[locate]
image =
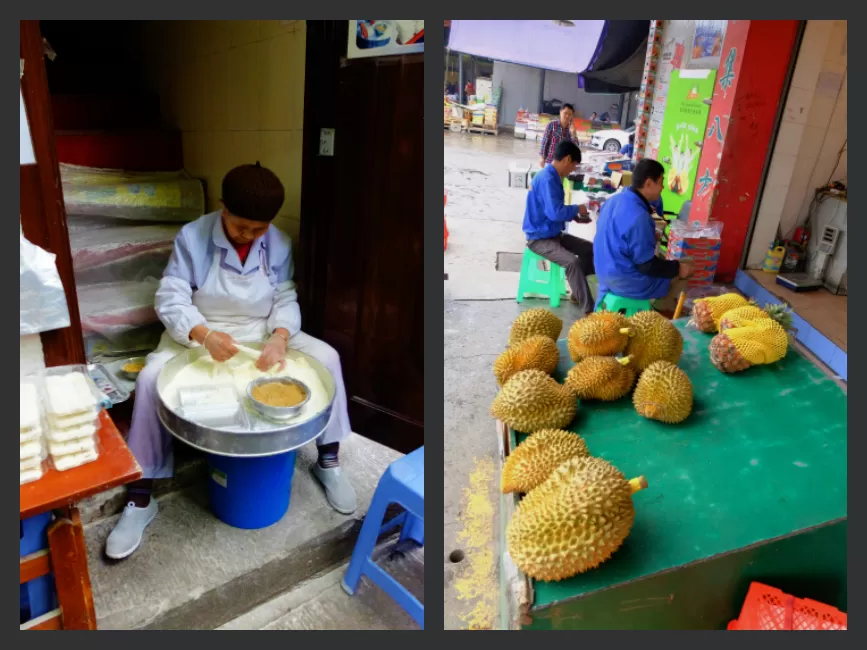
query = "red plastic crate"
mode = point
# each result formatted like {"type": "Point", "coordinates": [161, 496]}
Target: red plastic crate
{"type": "Point", "coordinates": [767, 608]}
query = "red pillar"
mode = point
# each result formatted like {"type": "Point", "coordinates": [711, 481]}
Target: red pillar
{"type": "Point", "coordinates": [749, 88]}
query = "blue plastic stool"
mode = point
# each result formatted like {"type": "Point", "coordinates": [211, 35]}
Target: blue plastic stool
{"type": "Point", "coordinates": [250, 493]}
{"type": "Point", "coordinates": [402, 483]}
{"type": "Point", "coordinates": [551, 283]}
{"type": "Point", "coordinates": [38, 596]}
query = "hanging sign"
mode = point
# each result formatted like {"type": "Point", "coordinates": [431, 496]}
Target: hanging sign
{"type": "Point", "coordinates": [368, 38]}
{"type": "Point", "coordinates": [25, 144]}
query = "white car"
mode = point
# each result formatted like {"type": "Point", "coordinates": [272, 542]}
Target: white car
{"type": "Point", "coordinates": [611, 140]}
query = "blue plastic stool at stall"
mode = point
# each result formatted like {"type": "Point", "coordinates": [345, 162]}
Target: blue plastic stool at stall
{"type": "Point", "coordinates": [250, 493]}
{"type": "Point", "coordinates": [402, 483]}
{"type": "Point", "coordinates": [38, 596]}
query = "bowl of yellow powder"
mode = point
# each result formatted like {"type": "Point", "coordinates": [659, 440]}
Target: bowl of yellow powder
{"type": "Point", "coordinates": [278, 397]}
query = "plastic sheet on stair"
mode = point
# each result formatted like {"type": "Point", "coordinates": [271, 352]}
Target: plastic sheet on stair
{"type": "Point", "coordinates": [118, 250]}
{"type": "Point", "coordinates": [140, 196]}
{"type": "Point", "coordinates": [112, 309]}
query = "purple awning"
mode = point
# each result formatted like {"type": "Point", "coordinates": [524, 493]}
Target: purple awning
{"type": "Point", "coordinates": [537, 43]}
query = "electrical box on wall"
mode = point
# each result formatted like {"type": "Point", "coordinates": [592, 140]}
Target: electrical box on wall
{"type": "Point", "coordinates": [326, 142]}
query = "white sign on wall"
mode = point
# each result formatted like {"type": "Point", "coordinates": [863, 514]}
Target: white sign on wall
{"type": "Point", "coordinates": [25, 143]}
{"type": "Point", "coordinates": [368, 38]}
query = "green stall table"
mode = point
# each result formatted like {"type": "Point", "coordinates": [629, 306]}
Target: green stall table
{"type": "Point", "coordinates": [751, 487]}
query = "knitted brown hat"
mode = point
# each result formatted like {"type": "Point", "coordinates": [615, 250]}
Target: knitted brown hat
{"type": "Point", "coordinates": [253, 192]}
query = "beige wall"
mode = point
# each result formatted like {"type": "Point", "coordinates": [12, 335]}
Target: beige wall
{"type": "Point", "coordinates": [236, 90]}
{"type": "Point", "coordinates": [812, 134]}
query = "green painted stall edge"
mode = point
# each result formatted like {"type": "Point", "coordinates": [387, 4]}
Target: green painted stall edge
{"type": "Point", "coordinates": [709, 594]}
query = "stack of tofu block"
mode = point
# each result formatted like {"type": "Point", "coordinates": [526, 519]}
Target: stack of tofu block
{"type": "Point", "coordinates": [73, 420]}
{"type": "Point", "coordinates": [32, 440]}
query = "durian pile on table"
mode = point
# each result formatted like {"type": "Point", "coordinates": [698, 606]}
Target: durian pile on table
{"type": "Point", "coordinates": [653, 468]}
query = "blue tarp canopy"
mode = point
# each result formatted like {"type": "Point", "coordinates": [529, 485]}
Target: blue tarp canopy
{"type": "Point", "coordinates": [607, 55]}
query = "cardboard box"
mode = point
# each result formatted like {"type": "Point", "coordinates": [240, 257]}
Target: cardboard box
{"type": "Point", "coordinates": [519, 176]}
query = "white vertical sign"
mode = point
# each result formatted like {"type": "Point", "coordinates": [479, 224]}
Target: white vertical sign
{"type": "Point", "coordinates": [25, 143]}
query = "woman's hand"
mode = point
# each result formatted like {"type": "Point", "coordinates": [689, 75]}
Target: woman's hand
{"type": "Point", "coordinates": [273, 353]}
{"type": "Point", "coordinates": [220, 345]}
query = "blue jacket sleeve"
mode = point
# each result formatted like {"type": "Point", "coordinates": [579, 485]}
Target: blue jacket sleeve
{"type": "Point", "coordinates": [552, 199]}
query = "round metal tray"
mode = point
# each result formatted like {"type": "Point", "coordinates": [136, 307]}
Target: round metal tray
{"type": "Point", "coordinates": [264, 438]}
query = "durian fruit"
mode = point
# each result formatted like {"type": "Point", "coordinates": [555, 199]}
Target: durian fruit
{"type": "Point", "coordinates": [654, 338]}
{"type": "Point", "coordinates": [757, 342]}
{"type": "Point", "coordinates": [600, 334]}
{"type": "Point", "coordinates": [535, 322]}
{"type": "Point", "coordinates": [531, 401]}
{"type": "Point", "coordinates": [740, 315]}
{"type": "Point", "coordinates": [539, 455]}
{"type": "Point", "coordinates": [602, 378]}
{"type": "Point", "coordinates": [534, 353]}
{"type": "Point", "coordinates": [574, 521]}
{"type": "Point", "coordinates": [707, 312]}
{"type": "Point", "coordinates": [663, 393]}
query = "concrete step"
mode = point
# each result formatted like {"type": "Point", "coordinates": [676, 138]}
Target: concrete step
{"type": "Point", "coordinates": [321, 604]}
{"type": "Point", "coordinates": [194, 572]}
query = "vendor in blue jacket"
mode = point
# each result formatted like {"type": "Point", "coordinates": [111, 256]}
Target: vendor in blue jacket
{"type": "Point", "coordinates": [624, 249]}
{"type": "Point", "coordinates": [545, 219]}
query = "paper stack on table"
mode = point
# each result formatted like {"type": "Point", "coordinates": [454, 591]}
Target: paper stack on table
{"type": "Point", "coordinates": [32, 444]}
{"type": "Point", "coordinates": [73, 412]}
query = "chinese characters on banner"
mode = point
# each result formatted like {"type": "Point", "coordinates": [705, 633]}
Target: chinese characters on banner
{"type": "Point", "coordinates": [718, 123]}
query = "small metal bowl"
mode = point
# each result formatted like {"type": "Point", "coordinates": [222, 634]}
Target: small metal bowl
{"type": "Point", "coordinates": [132, 376]}
{"type": "Point", "coordinates": [278, 412]}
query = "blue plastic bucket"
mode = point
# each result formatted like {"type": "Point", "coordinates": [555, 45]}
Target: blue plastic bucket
{"type": "Point", "coordinates": [250, 493]}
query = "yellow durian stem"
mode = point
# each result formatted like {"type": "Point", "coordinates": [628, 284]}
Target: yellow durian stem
{"type": "Point", "coordinates": [624, 360]}
{"type": "Point", "coordinates": [626, 330]}
{"type": "Point", "coordinates": [638, 484]}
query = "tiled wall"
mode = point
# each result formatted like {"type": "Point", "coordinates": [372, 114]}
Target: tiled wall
{"type": "Point", "coordinates": [236, 90]}
{"type": "Point", "coordinates": [811, 137]}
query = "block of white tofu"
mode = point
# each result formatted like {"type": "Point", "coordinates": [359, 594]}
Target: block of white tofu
{"type": "Point", "coordinates": [31, 463]}
{"type": "Point", "coordinates": [29, 406]}
{"type": "Point", "coordinates": [71, 446]}
{"type": "Point", "coordinates": [63, 463]}
{"type": "Point", "coordinates": [31, 435]}
{"type": "Point", "coordinates": [30, 475]}
{"type": "Point", "coordinates": [72, 433]}
{"type": "Point", "coordinates": [73, 421]}
{"type": "Point", "coordinates": [31, 449]}
{"type": "Point", "coordinates": [69, 394]}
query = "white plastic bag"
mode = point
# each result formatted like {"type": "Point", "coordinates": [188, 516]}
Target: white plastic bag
{"type": "Point", "coordinates": [42, 300]}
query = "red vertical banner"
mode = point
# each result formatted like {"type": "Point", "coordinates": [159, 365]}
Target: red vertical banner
{"type": "Point", "coordinates": [749, 87]}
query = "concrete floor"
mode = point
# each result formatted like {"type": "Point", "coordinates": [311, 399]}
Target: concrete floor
{"type": "Point", "coordinates": [484, 217]}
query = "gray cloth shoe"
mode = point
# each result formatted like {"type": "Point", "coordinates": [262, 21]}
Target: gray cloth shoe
{"type": "Point", "coordinates": [127, 534]}
{"type": "Point", "coordinates": [338, 490]}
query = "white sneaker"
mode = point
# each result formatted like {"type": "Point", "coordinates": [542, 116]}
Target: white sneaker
{"type": "Point", "coordinates": [126, 536]}
{"type": "Point", "coordinates": [338, 490]}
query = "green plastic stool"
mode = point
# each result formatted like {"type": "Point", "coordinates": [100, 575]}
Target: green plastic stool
{"type": "Point", "coordinates": [626, 306]}
{"type": "Point", "coordinates": [550, 283]}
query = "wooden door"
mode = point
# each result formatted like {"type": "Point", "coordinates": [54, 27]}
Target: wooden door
{"type": "Point", "coordinates": [360, 271]}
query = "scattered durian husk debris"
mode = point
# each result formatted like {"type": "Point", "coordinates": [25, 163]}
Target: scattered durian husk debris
{"type": "Point", "coordinates": [534, 353]}
{"type": "Point", "coordinates": [537, 456]}
{"type": "Point", "coordinates": [600, 334]}
{"type": "Point", "coordinates": [531, 400]}
{"type": "Point", "coordinates": [601, 378]}
{"type": "Point", "coordinates": [664, 393]}
{"type": "Point", "coordinates": [707, 312]}
{"type": "Point", "coordinates": [574, 521]}
{"type": "Point", "coordinates": [535, 322]}
{"type": "Point", "coordinates": [653, 338]}
{"type": "Point", "coordinates": [759, 342]}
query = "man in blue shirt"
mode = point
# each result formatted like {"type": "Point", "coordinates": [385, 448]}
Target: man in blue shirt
{"type": "Point", "coordinates": [545, 220]}
{"type": "Point", "coordinates": [624, 250]}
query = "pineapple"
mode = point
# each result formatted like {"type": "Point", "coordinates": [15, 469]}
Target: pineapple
{"type": "Point", "coordinates": [707, 312]}
{"type": "Point", "coordinates": [758, 342]}
{"type": "Point", "coordinates": [739, 315]}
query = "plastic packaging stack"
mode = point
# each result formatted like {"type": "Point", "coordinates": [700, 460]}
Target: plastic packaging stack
{"type": "Point", "coordinates": [122, 227]}
{"type": "Point", "coordinates": [72, 408]}
{"type": "Point", "coordinates": [32, 440]}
